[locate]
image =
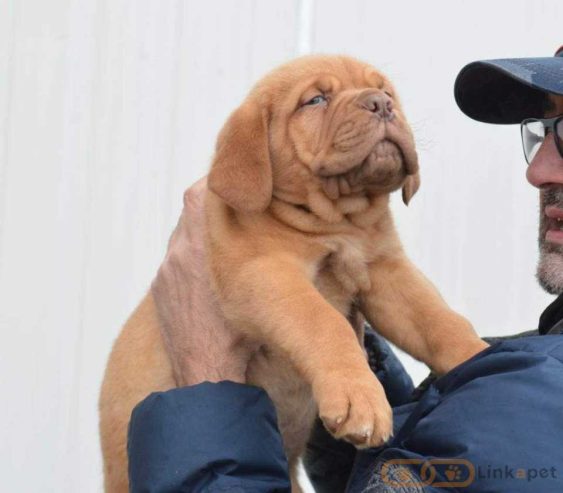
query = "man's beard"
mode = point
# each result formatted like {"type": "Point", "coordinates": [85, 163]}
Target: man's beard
{"type": "Point", "coordinates": [550, 264]}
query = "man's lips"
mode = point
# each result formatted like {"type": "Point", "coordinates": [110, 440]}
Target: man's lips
{"type": "Point", "coordinates": [554, 217]}
{"type": "Point", "coordinates": [554, 212]}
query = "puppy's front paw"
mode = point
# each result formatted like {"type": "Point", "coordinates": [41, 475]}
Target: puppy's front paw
{"type": "Point", "coordinates": [353, 406]}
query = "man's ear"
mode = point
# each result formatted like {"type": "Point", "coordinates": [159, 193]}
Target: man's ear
{"type": "Point", "coordinates": [410, 187]}
{"type": "Point", "coordinates": [241, 173]}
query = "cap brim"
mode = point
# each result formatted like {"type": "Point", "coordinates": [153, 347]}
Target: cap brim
{"type": "Point", "coordinates": [508, 90]}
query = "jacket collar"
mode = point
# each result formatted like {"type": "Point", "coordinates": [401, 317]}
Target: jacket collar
{"type": "Point", "coordinates": [551, 320]}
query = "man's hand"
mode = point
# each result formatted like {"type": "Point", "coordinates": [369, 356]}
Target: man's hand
{"type": "Point", "coordinates": [199, 343]}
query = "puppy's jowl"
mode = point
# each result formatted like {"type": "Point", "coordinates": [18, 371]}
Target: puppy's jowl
{"type": "Point", "coordinates": [298, 213]}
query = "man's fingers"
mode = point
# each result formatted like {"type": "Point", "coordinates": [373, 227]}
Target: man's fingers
{"type": "Point", "coordinates": [193, 196]}
{"type": "Point", "coordinates": [192, 222]}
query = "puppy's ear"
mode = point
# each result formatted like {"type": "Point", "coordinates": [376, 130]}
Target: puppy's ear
{"type": "Point", "coordinates": [410, 187]}
{"type": "Point", "coordinates": [241, 173]}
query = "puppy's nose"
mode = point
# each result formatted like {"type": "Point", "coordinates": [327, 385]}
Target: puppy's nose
{"type": "Point", "coordinates": [378, 103]}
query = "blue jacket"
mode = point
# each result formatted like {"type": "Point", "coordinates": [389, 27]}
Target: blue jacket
{"type": "Point", "coordinates": [493, 424]}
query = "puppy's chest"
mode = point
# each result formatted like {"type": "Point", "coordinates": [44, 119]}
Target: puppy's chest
{"type": "Point", "coordinates": [344, 271]}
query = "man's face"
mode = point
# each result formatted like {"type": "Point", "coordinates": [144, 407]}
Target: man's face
{"type": "Point", "coordinates": [546, 173]}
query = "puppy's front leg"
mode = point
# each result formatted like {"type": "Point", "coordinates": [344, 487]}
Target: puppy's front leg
{"type": "Point", "coordinates": [274, 297]}
{"type": "Point", "coordinates": [404, 306]}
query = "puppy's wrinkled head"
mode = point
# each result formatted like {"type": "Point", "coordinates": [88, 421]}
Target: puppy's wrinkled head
{"type": "Point", "coordinates": [319, 124]}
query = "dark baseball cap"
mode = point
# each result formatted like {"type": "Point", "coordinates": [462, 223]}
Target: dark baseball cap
{"type": "Point", "coordinates": [508, 90]}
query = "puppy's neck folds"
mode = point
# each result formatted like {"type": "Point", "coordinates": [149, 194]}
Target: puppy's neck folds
{"type": "Point", "coordinates": [330, 216]}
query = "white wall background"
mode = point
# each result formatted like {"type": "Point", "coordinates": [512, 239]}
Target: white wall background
{"type": "Point", "coordinates": [110, 108]}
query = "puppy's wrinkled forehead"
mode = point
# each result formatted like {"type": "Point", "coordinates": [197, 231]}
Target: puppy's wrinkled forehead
{"type": "Point", "coordinates": [286, 84]}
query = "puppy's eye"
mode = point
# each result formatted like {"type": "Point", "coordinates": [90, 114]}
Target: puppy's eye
{"type": "Point", "coordinates": [316, 100]}
{"type": "Point", "coordinates": [388, 94]}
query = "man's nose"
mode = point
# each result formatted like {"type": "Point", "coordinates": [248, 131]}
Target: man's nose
{"type": "Point", "coordinates": [547, 166]}
{"type": "Point", "coordinates": [378, 103]}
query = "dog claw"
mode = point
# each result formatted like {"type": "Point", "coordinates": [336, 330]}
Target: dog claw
{"type": "Point", "coordinates": [355, 409]}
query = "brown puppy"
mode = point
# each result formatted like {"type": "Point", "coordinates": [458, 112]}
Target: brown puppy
{"type": "Point", "coordinates": [299, 234]}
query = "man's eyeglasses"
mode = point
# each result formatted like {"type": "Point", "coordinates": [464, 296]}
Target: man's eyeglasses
{"type": "Point", "coordinates": [534, 132]}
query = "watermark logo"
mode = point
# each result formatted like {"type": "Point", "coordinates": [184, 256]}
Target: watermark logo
{"type": "Point", "coordinates": [454, 473]}
{"type": "Point", "coordinates": [441, 473]}
{"type": "Point", "coordinates": [506, 472]}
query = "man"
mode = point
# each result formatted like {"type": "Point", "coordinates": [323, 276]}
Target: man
{"type": "Point", "coordinates": [494, 423]}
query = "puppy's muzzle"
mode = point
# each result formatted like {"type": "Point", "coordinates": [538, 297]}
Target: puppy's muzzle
{"type": "Point", "coordinates": [378, 103]}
